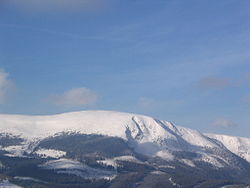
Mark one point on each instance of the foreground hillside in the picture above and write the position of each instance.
(114, 149)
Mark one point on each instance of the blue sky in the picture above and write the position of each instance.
(183, 61)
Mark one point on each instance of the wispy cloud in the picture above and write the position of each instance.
(146, 102)
(224, 123)
(220, 83)
(58, 5)
(5, 86)
(74, 97)
(245, 99)
(213, 83)
(57, 33)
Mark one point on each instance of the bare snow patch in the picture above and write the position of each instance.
(26, 147)
(114, 162)
(173, 183)
(15, 151)
(67, 166)
(165, 155)
(109, 162)
(158, 172)
(188, 162)
(45, 153)
(128, 158)
(167, 166)
(28, 179)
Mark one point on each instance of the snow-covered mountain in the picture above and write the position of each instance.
(78, 142)
(145, 134)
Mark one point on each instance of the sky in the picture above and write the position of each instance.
(187, 62)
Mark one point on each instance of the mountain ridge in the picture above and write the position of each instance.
(147, 135)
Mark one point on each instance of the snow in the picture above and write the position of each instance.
(173, 183)
(195, 138)
(7, 184)
(28, 179)
(45, 153)
(211, 160)
(19, 150)
(167, 166)
(68, 166)
(15, 151)
(63, 164)
(109, 162)
(114, 162)
(188, 162)
(157, 172)
(165, 155)
(128, 158)
(237, 145)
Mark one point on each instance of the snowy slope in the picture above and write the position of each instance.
(146, 135)
(237, 145)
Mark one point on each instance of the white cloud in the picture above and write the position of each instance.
(213, 83)
(222, 122)
(5, 86)
(75, 97)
